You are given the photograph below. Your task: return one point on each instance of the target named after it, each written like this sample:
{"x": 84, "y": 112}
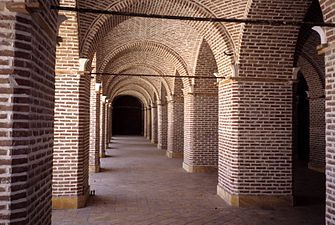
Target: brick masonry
{"x": 175, "y": 136}
{"x": 102, "y": 124}
{"x": 201, "y": 116}
{"x": 328, "y": 9}
{"x": 162, "y": 116}
{"x": 154, "y": 121}
{"x": 244, "y": 125}
{"x": 27, "y": 64}
{"x": 94, "y": 162}
{"x": 311, "y": 65}
{"x": 71, "y": 144}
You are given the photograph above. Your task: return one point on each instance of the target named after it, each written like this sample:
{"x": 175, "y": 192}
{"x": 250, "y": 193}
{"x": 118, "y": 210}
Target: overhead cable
{"x": 197, "y": 19}
{"x": 155, "y": 75}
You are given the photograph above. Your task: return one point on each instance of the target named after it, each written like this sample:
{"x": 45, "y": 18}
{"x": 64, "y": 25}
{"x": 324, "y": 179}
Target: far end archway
{"x": 127, "y": 116}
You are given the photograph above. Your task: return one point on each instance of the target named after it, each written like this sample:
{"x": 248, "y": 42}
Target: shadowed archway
{"x": 127, "y": 116}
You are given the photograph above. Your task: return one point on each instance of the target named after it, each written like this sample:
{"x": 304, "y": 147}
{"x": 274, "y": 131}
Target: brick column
{"x": 26, "y": 118}
{"x": 162, "y": 124}
{"x": 175, "y": 145}
{"x": 94, "y": 163}
{"x": 110, "y": 122}
{"x": 200, "y": 132}
{"x": 154, "y": 123}
{"x": 328, "y": 8}
{"x": 102, "y": 125}
{"x": 107, "y": 124}
{"x": 71, "y": 150}
{"x": 255, "y": 142}
{"x": 148, "y": 123}
{"x": 145, "y": 122}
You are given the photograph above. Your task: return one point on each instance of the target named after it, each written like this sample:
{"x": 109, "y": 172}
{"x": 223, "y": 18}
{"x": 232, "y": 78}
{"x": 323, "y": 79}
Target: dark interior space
{"x": 308, "y": 185}
{"x": 127, "y": 116}
{"x": 302, "y": 103}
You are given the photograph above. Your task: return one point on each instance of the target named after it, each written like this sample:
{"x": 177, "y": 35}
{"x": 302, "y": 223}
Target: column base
{"x": 317, "y": 168}
{"x": 94, "y": 168}
{"x": 199, "y": 169}
{"x": 254, "y": 200}
{"x": 174, "y": 155}
{"x": 68, "y": 202}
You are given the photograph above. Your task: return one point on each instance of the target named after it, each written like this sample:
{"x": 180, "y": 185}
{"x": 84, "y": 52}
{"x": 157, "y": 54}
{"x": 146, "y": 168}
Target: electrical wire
{"x": 198, "y": 19}
{"x": 154, "y": 75}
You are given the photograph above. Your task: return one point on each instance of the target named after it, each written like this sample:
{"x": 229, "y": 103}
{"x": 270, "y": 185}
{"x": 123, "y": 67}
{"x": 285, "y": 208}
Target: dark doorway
{"x": 127, "y": 116}
{"x": 302, "y": 104}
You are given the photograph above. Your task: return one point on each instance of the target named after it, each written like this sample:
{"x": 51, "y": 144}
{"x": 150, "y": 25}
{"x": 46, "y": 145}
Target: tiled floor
{"x": 139, "y": 185}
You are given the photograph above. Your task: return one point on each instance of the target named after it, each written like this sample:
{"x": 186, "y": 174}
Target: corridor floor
{"x": 140, "y": 185}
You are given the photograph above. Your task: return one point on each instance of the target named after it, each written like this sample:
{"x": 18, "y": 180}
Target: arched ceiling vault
{"x": 150, "y": 53}
{"x": 140, "y": 64}
{"x": 146, "y": 69}
{"x": 138, "y": 93}
{"x": 93, "y": 28}
{"x": 150, "y": 88}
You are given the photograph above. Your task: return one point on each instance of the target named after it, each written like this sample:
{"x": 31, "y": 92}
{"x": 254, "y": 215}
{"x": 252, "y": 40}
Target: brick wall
{"x": 71, "y": 150}
{"x": 94, "y": 162}
{"x": 26, "y": 118}
{"x": 328, "y": 8}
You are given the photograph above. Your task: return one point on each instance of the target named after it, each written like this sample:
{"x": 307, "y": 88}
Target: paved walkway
{"x": 139, "y": 185}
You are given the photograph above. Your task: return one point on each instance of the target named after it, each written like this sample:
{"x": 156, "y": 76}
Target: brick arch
{"x": 134, "y": 88}
{"x": 216, "y": 34}
{"x": 133, "y": 68}
{"x": 133, "y": 93}
{"x": 256, "y": 39}
{"x": 177, "y": 86}
{"x": 157, "y": 51}
{"x": 144, "y": 83}
{"x": 170, "y": 34}
{"x": 205, "y": 66}
{"x": 138, "y": 69}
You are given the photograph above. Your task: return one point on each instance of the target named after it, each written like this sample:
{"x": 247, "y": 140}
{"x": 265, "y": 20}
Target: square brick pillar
{"x": 94, "y": 162}
{"x": 26, "y": 117}
{"x": 148, "y": 121}
{"x": 70, "y": 187}
{"x": 200, "y": 132}
{"x": 175, "y": 145}
{"x": 154, "y": 134}
{"x": 162, "y": 124}
{"x": 108, "y": 123}
{"x": 102, "y": 125}
{"x": 255, "y": 142}
{"x": 145, "y": 122}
